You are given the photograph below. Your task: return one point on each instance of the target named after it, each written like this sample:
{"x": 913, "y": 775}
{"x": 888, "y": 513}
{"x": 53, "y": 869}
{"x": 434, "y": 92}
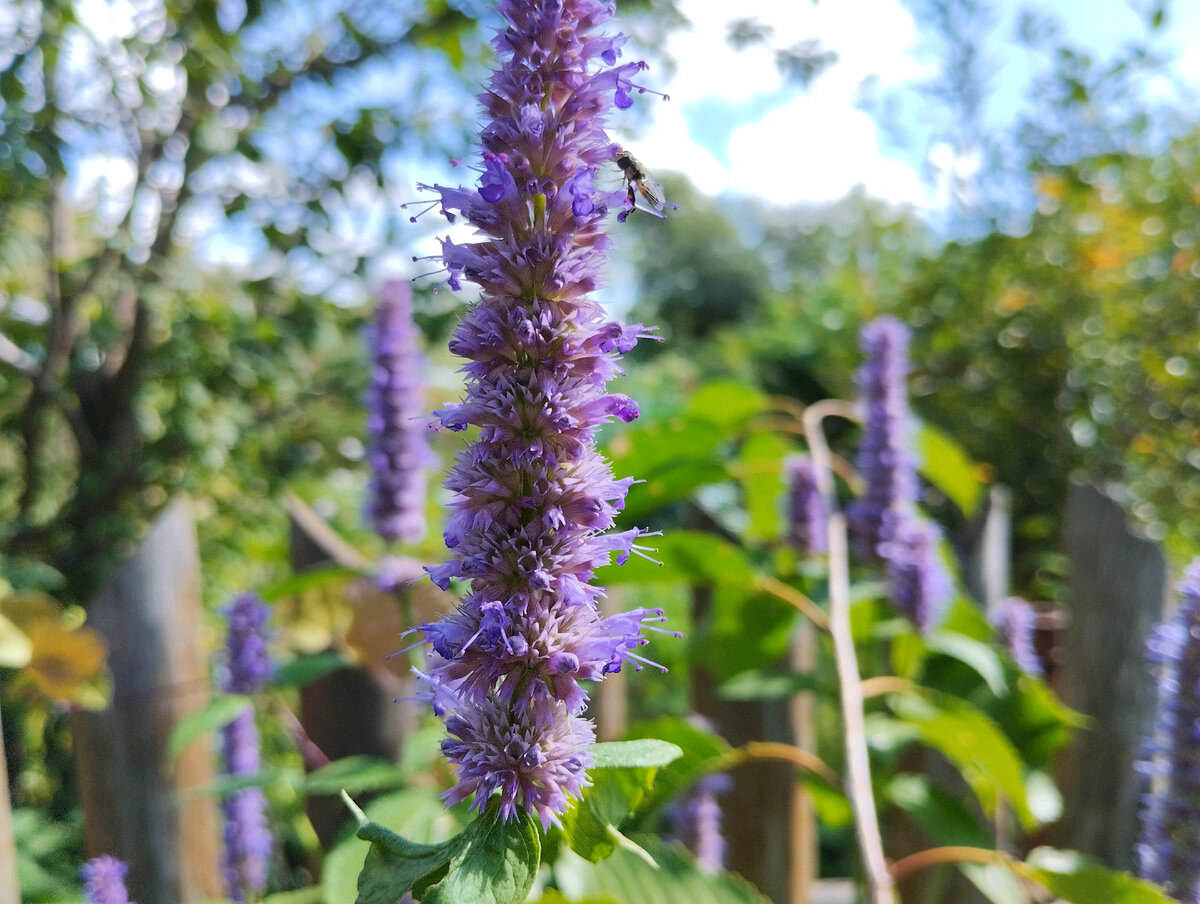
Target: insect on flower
{"x": 637, "y": 177}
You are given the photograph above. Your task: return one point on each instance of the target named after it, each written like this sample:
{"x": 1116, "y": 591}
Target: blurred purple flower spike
{"x": 397, "y": 422}
{"x": 247, "y": 667}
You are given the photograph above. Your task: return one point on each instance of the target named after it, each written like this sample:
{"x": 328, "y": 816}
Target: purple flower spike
{"x": 918, "y": 584}
{"x": 104, "y": 881}
{"x": 534, "y": 502}
{"x": 247, "y": 668}
{"x": 398, "y": 452}
{"x": 1015, "y": 620}
{"x": 808, "y": 520}
{"x": 696, "y": 821}
{"x": 1168, "y": 848}
{"x": 885, "y": 458}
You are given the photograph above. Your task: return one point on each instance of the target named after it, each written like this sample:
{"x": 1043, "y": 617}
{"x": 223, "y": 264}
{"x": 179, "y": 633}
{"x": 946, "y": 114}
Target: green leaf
{"x": 416, "y": 813}
{"x": 971, "y": 741}
{"x": 701, "y": 750}
{"x": 944, "y": 817}
{"x": 642, "y": 752}
{"x": 979, "y": 656}
{"x": 726, "y": 403}
{"x": 497, "y": 866}
{"x": 760, "y": 469}
{"x": 627, "y": 878}
{"x": 614, "y": 795}
{"x": 219, "y": 712}
{"x": 1037, "y": 721}
{"x": 945, "y": 464}
{"x": 353, "y": 774}
{"x": 1078, "y": 880}
{"x": 394, "y": 864}
{"x": 305, "y": 669}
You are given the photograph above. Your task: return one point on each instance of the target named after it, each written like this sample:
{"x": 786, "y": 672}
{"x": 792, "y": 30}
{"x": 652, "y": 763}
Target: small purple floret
{"x": 104, "y": 881}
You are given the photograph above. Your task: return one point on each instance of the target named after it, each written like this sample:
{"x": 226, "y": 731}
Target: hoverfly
{"x": 637, "y": 179}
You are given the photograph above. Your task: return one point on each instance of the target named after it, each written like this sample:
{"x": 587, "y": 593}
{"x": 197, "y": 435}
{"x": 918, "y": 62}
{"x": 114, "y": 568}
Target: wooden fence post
{"x": 1117, "y": 591}
{"x": 137, "y": 806}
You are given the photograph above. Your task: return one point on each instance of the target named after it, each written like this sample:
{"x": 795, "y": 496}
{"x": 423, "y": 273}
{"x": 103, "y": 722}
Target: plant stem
{"x": 880, "y": 889}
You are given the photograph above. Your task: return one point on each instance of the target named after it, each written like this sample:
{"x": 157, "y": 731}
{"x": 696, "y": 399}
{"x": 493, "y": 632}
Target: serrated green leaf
{"x": 219, "y": 712}
{"x": 394, "y": 864}
{"x": 1078, "y": 880}
{"x": 945, "y": 464}
{"x": 497, "y": 865}
{"x": 417, "y": 813}
{"x": 353, "y": 774}
{"x": 302, "y": 670}
{"x": 642, "y": 752}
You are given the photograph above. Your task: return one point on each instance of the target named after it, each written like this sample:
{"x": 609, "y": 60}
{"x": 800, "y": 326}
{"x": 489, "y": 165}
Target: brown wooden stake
{"x": 802, "y": 837}
{"x": 136, "y": 806}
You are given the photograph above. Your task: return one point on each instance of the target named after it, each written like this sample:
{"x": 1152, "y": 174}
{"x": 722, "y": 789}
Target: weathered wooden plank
{"x": 1117, "y": 591}
{"x": 136, "y": 807}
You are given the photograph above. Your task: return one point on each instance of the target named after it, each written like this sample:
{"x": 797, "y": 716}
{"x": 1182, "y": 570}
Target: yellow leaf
{"x": 64, "y": 662}
{"x": 28, "y": 608}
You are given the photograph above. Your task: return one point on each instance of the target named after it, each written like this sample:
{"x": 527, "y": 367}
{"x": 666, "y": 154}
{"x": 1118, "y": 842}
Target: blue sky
{"x": 734, "y": 126}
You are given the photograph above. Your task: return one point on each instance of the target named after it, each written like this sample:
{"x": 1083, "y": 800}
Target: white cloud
{"x": 812, "y": 150}
{"x": 814, "y": 145}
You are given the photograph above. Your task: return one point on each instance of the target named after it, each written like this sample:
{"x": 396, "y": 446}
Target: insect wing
{"x": 653, "y": 193}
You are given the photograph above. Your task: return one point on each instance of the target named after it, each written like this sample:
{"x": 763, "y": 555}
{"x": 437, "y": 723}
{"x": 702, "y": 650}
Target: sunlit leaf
{"x": 973, "y": 743}
{"x": 944, "y": 463}
{"x": 1079, "y": 880}
{"x": 642, "y": 752}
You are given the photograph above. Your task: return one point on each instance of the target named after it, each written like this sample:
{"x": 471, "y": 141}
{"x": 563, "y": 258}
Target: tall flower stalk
{"x": 885, "y": 516}
{"x": 247, "y": 667}
{"x": 534, "y": 501}
{"x": 397, "y": 452}
{"x": 1168, "y": 848}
